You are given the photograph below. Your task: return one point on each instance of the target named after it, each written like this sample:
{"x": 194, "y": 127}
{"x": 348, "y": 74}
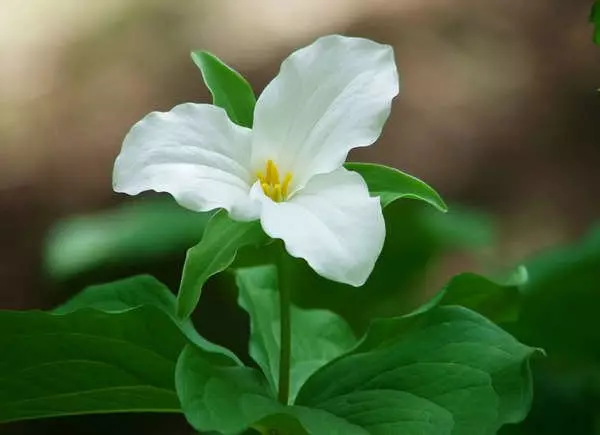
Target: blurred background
{"x": 498, "y": 111}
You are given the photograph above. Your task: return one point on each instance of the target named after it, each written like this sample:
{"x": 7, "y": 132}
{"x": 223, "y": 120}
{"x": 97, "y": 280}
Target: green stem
{"x": 285, "y": 354}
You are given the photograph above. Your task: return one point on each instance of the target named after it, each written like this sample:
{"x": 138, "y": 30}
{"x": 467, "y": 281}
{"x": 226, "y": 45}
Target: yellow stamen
{"x": 272, "y": 172}
{"x": 270, "y": 182}
{"x": 277, "y": 193}
{"x": 286, "y": 184}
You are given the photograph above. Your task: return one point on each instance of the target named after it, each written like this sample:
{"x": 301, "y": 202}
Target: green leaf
{"x": 122, "y": 295}
{"x": 318, "y": 336}
{"x": 448, "y": 371}
{"x": 215, "y": 252}
{"x": 496, "y": 301}
{"x": 391, "y": 184}
{"x": 87, "y": 362}
{"x": 223, "y": 398}
{"x": 561, "y": 300}
{"x": 285, "y": 424}
{"x": 595, "y": 19}
{"x": 137, "y": 291}
{"x": 560, "y": 313}
{"x": 229, "y": 89}
{"x": 136, "y": 232}
{"x": 230, "y": 399}
{"x": 112, "y": 348}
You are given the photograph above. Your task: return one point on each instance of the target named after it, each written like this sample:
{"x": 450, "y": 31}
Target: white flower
{"x": 328, "y": 98}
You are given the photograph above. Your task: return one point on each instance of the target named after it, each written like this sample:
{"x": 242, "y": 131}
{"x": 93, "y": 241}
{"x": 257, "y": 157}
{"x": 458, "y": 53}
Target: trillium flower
{"x": 287, "y": 171}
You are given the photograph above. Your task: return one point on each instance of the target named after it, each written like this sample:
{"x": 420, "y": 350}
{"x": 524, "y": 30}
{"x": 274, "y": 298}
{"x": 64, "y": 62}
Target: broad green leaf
{"x": 215, "y": 252}
{"x": 230, "y": 399}
{"x": 391, "y": 184}
{"x": 595, "y": 20}
{"x": 229, "y": 89}
{"x": 561, "y": 300}
{"x": 560, "y": 314}
{"x": 223, "y": 398}
{"x": 112, "y": 348}
{"x": 318, "y": 336}
{"x": 122, "y": 295}
{"x": 137, "y": 291}
{"x": 134, "y": 233}
{"x": 87, "y": 362}
{"x": 285, "y": 424}
{"x": 496, "y": 301}
{"x": 448, "y": 371}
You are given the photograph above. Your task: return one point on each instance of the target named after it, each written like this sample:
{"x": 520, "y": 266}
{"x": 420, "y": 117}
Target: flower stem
{"x": 285, "y": 353}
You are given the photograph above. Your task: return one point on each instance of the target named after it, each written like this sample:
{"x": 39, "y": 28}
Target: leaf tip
{"x": 436, "y": 200}
{"x": 442, "y": 206}
{"x": 538, "y": 352}
{"x": 198, "y": 57}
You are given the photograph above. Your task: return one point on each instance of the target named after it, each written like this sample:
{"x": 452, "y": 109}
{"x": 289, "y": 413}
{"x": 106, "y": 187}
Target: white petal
{"x": 332, "y": 223}
{"x": 328, "y": 98}
{"x": 195, "y": 153}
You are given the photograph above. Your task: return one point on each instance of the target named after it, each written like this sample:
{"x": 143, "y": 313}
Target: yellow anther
{"x": 277, "y": 193}
{"x": 286, "y": 184}
{"x": 272, "y": 173}
{"x": 270, "y": 182}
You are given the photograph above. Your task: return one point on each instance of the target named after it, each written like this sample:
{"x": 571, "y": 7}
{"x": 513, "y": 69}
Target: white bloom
{"x": 328, "y": 98}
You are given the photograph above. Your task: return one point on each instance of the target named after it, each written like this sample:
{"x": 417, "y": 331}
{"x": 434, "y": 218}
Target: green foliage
{"x": 87, "y": 362}
{"x": 286, "y": 424}
{"x": 391, "y": 184}
{"x": 134, "y": 233}
{"x": 215, "y": 252}
{"x": 122, "y": 296}
{"x": 229, "y": 89}
{"x": 559, "y": 313}
{"x": 113, "y": 348}
{"x": 595, "y": 20}
{"x": 222, "y": 397}
{"x": 551, "y": 303}
{"x": 138, "y": 291}
{"x": 498, "y": 302}
{"x": 561, "y": 300}
{"x": 318, "y": 336}
{"x": 415, "y": 374}
{"x": 449, "y": 356}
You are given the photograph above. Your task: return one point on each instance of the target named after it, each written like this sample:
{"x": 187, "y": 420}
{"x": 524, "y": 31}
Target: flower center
{"x": 269, "y": 180}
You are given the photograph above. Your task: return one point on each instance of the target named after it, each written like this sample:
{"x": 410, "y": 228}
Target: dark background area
{"x": 498, "y": 111}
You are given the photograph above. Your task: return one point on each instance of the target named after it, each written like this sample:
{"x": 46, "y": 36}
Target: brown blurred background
{"x": 499, "y": 107}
